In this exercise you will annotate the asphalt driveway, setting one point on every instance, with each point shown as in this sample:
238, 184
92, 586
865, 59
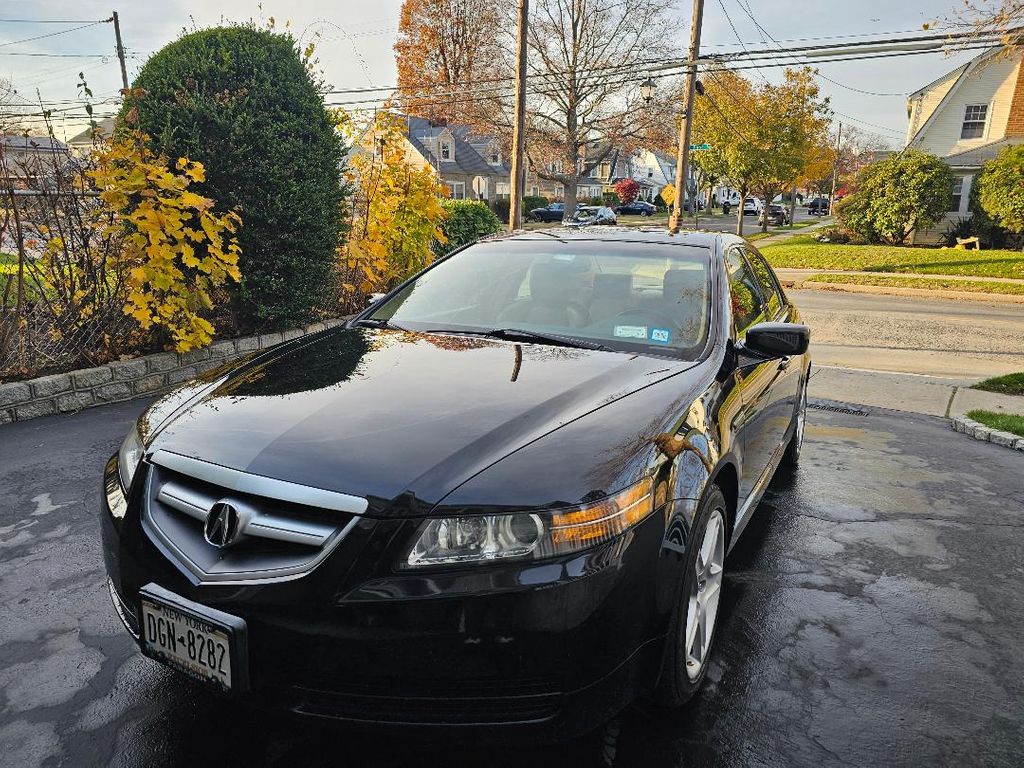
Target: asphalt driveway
874, 615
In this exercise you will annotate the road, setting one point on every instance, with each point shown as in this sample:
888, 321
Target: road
967, 340
873, 615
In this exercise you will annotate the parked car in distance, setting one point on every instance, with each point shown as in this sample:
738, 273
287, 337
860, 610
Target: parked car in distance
777, 215
502, 495
818, 206
552, 212
686, 205
752, 206
636, 208
589, 215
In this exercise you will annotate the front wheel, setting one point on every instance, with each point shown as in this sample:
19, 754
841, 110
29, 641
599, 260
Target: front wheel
696, 613
796, 443
645, 213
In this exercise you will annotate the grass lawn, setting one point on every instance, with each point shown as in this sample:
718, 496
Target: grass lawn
804, 252
923, 283
1004, 422
1010, 384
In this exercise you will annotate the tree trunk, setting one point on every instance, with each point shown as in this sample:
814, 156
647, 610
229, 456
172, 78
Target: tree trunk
739, 215
792, 204
570, 199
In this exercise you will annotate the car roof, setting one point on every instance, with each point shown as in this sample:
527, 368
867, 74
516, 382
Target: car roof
656, 235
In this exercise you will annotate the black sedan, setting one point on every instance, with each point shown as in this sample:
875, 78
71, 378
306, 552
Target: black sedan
777, 215
636, 208
552, 212
501, 495
818, 206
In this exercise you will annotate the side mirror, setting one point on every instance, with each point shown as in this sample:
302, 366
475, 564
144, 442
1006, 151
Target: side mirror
373, 298
770, 340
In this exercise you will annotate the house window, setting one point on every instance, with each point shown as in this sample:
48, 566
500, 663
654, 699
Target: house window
974, 121
458, 190
535, 191
958, 193
495, 158
606, 170
446, 150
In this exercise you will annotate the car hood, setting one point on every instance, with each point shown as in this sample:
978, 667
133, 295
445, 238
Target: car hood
400, 418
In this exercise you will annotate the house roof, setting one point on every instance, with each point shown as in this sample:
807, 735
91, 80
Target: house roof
104, 127
467, 160
975, 157
22, 143
961, 74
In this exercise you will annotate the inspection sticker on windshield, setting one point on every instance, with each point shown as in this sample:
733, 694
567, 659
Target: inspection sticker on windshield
661, 335
631, 331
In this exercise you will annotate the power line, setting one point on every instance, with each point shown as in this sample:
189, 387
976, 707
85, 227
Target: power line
46, 21
53, 34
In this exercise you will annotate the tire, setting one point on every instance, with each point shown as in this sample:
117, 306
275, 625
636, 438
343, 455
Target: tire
682, 671
791, 457
645, 212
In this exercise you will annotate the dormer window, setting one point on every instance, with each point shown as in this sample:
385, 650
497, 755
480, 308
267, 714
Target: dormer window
975, 116
495, 158
447, 153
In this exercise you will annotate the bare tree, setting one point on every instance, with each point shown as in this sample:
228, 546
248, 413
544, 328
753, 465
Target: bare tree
586, 60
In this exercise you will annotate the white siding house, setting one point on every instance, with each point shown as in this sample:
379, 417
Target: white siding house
967, 117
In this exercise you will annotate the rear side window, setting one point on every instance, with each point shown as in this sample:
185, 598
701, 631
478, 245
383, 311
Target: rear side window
769, 285
744, 293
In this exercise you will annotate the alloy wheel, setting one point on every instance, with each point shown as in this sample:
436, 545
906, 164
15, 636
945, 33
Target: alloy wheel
705, 592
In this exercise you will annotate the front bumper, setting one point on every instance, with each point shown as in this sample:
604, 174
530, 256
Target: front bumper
560, 646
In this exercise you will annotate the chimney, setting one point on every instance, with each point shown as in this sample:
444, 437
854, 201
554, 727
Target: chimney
1015, 122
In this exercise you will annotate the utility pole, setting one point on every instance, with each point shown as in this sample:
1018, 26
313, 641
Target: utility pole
682, 159
835, 170
515, 209
120, 50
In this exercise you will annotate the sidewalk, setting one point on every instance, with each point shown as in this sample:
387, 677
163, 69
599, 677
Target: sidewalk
780, 237
910, 392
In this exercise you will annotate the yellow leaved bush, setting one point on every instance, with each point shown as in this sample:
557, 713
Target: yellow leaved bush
174, 247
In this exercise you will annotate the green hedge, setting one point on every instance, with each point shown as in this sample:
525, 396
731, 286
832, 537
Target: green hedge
241, 101
467, 222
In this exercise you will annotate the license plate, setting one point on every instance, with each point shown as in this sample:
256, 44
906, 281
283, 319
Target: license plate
183, 636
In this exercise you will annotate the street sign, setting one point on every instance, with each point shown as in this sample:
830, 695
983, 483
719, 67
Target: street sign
700, 147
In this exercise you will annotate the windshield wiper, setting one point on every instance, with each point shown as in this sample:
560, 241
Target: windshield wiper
374, 322
520, 334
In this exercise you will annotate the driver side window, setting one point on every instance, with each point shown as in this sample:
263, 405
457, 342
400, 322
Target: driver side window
744, 295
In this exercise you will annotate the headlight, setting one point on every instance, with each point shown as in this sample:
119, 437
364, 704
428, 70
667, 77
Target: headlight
129, 456
533, 535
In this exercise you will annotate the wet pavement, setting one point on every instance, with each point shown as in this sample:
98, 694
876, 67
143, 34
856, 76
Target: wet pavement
873, 615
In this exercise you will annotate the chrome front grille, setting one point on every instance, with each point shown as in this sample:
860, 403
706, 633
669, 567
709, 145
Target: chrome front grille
283, 531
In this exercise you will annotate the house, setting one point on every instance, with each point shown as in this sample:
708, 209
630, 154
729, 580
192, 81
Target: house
82, 143
967, 117
27, 161
471, 166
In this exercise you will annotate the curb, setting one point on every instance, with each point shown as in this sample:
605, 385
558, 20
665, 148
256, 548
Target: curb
987, 434
891, 290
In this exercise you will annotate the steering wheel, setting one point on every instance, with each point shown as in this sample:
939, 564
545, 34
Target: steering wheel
651, 313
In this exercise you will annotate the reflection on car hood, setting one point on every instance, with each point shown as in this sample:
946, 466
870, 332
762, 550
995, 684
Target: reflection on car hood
399, 417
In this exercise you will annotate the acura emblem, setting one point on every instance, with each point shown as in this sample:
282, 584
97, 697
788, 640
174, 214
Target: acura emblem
221, 527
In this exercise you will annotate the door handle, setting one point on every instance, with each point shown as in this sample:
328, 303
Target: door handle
784, 363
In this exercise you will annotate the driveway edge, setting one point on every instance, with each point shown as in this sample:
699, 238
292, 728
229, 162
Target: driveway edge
126, 379
987, 434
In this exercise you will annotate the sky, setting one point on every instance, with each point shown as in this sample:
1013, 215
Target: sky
356, 39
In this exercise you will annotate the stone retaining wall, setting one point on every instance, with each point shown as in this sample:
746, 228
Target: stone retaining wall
125, 379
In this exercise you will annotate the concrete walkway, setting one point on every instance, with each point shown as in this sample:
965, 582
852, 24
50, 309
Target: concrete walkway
914, 393
782, 236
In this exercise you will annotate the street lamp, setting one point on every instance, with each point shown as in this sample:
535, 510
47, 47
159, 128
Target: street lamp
647, 90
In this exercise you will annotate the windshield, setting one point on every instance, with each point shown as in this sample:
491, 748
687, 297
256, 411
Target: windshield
637, 297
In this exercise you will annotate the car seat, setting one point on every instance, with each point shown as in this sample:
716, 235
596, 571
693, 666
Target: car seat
549, 302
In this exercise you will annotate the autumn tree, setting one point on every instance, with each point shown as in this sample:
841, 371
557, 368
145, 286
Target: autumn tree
762, 136
444, 47
627, 190
396, 214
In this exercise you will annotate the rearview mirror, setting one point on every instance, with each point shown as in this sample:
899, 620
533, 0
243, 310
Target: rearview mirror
771, 340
